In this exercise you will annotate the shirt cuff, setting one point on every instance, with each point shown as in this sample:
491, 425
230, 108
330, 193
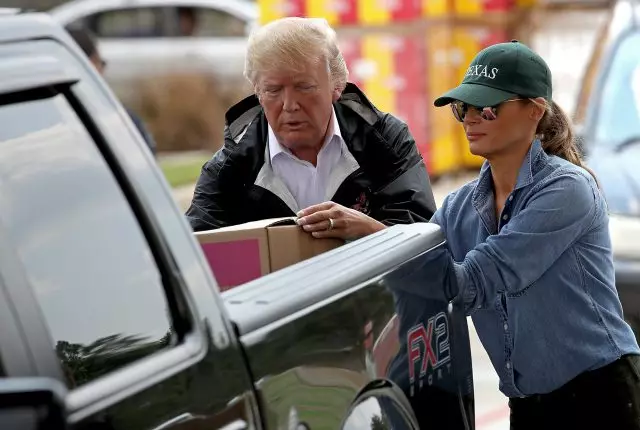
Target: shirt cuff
466, 287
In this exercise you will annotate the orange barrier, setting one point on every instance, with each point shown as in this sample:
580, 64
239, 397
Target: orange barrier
443, 129
468, 41
401, 74
402, 70
381, 12
353, 12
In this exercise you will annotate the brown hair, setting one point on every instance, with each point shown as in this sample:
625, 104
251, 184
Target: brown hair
556, 134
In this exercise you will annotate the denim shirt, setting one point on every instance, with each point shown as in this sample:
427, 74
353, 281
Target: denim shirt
539, 281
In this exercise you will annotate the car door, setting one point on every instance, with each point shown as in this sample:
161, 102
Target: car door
100, 301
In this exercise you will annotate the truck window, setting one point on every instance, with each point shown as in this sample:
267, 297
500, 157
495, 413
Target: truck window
129, 23
208, 22
78, 241
618, 116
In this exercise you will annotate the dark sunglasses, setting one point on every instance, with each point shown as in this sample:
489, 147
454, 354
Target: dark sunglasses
488, 113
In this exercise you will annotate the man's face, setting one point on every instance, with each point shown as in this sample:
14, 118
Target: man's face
298, 105
187, 23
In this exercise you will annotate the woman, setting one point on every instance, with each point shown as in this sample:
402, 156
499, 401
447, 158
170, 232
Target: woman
533, 254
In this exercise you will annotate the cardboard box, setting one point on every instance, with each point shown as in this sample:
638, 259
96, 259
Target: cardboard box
244, 252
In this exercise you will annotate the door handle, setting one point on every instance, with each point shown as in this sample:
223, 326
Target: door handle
180, 419
235, 425
186, 417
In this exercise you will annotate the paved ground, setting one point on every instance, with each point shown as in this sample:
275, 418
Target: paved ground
492, 411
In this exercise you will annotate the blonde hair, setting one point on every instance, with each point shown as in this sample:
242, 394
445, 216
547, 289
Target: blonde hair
291, 42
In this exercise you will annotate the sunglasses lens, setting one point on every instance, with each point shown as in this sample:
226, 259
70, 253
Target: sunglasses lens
458, 110
489, 113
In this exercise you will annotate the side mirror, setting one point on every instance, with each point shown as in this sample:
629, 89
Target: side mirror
32, 404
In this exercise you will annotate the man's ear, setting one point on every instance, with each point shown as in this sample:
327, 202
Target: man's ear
256, 91
337, 92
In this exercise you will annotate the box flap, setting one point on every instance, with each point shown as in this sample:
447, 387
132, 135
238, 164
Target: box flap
283, 221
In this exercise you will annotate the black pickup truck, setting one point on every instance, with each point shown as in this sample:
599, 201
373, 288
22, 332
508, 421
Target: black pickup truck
111, 318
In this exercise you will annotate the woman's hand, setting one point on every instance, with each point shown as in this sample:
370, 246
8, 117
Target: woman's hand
330, 219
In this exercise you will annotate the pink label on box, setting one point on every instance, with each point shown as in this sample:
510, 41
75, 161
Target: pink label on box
234, 263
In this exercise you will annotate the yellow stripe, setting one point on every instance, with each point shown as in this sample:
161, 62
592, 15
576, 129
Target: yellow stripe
323, 9
466, 41
444, 130
270, 10
435, 7
378, 67
372, 12
526, 3
468, 7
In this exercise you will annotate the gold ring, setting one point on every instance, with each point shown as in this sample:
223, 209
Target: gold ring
330, 224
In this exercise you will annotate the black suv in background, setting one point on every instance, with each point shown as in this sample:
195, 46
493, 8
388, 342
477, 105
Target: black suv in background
112, 319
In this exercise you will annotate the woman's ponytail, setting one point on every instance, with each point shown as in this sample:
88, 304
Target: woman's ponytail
556, 134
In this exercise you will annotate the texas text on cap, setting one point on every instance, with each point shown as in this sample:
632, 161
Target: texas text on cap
501, 72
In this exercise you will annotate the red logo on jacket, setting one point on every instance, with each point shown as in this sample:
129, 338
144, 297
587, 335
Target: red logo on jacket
362, 203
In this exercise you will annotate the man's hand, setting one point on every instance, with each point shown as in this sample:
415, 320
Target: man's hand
330, 219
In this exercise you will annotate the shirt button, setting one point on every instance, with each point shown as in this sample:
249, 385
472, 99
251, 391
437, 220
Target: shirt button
510, 198
506, 326
508, 365
505, 217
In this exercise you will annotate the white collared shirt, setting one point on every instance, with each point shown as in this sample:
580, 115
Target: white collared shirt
308, 184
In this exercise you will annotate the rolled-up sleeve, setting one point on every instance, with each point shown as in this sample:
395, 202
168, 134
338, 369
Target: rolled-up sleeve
560, 211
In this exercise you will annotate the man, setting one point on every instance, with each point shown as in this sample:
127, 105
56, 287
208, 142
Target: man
187, 21
310, 144
87, 43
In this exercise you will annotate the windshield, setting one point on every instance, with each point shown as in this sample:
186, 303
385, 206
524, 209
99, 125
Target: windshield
618, 116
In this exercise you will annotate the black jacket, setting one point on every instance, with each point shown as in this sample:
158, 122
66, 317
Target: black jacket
143, 131
391, 183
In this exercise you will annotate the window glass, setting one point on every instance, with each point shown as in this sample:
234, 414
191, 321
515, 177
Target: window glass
129, 23
619, 110
207, 22
78, 241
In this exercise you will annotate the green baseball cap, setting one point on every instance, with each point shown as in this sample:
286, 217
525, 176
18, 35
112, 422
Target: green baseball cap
501, 72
